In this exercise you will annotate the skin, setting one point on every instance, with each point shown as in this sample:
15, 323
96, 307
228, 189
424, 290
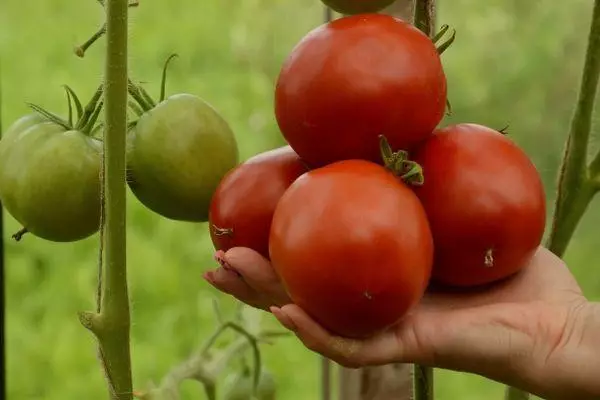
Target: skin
242, 207
61, 203
330, 259
349, 81
357, 6
535, 330
177, 154
477, 179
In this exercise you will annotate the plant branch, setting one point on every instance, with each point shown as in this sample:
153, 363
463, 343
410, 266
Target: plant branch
577, 183
424, 19
203, 367
111, 325
576, 186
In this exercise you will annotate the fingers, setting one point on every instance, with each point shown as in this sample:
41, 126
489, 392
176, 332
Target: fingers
249, 277
229, 282
350, 353
258, 273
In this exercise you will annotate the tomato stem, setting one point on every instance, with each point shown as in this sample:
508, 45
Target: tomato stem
19, 235
578, 183
424, 19
111, 325
204, 367
134, 91
163, 81
81, 49
90, 108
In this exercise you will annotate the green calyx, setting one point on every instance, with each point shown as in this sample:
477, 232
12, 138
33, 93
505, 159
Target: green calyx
143, 101
399, 164
86, 117
444, 45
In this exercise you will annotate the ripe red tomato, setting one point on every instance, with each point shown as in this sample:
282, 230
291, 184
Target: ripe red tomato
242, 206
357, 6
485, 203
352, 246
355, 78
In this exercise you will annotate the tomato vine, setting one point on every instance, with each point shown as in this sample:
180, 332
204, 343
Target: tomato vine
578, 181
111, 324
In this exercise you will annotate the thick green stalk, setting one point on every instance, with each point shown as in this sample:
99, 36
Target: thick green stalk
574, 183
112, 325
577, 183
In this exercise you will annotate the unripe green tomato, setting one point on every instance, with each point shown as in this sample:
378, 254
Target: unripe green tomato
22, 124
239, 386
177, 154
349, 7
50, 182
15, 129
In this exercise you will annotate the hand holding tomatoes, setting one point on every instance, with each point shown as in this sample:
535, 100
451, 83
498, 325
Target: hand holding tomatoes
458, 331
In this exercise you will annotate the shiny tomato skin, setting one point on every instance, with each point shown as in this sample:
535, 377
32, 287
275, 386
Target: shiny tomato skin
242, 206
483, 196
357, 6
352, 246
348, 81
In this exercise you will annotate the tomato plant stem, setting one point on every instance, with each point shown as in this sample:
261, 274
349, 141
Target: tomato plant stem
111, 325
577, 183
424, 19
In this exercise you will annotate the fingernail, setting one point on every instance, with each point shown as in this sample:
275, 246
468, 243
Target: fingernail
283, 318
220, 258
209, 277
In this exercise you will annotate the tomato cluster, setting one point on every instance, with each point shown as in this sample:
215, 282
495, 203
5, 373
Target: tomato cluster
372, 200
178, 150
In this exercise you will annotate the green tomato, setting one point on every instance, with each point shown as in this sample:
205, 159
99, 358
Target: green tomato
177, 154
50, 182
239, 386
18, 127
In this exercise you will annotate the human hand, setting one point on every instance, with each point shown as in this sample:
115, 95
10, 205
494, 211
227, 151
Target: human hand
523, 331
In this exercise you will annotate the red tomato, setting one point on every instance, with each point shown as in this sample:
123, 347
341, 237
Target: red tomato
355, 78
485, 203
357, 6
352, 246
242, 206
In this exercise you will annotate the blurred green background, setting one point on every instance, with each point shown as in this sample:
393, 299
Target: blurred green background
514, 62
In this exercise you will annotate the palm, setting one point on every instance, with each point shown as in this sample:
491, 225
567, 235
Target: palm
449, 330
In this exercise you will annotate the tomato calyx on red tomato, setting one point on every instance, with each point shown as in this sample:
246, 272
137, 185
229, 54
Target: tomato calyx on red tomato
400, 165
